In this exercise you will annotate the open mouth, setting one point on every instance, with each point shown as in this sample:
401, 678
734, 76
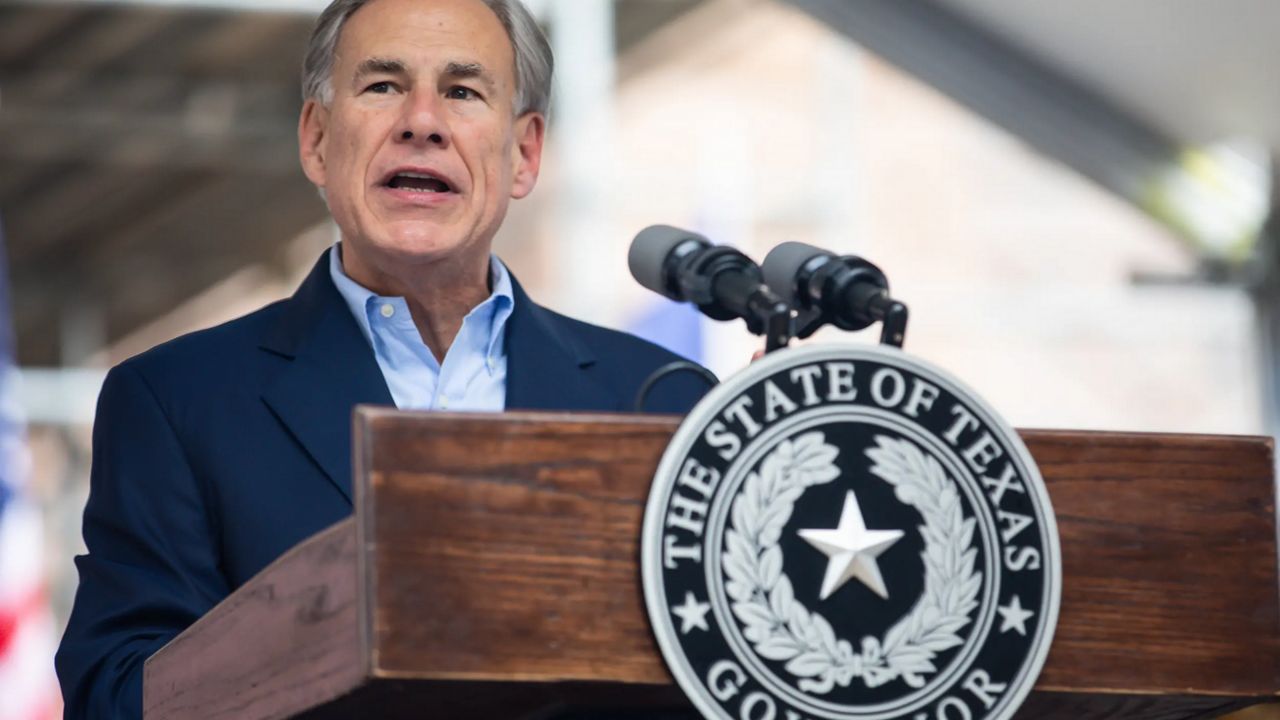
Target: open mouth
419, 182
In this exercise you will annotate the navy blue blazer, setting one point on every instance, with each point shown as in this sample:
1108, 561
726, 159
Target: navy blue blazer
215, 453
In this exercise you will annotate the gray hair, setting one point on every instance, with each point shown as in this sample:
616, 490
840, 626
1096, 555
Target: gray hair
534, 62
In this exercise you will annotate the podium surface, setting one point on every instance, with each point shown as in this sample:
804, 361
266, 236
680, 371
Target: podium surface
491, 571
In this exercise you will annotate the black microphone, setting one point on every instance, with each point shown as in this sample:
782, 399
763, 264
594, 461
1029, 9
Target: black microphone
843, 290
723, 283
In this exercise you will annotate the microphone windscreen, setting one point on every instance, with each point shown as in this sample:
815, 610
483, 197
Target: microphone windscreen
648, 254
783, 263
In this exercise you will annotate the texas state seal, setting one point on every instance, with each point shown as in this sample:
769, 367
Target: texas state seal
848, 532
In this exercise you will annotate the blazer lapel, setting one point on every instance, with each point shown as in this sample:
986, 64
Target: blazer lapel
331, 370
547, 367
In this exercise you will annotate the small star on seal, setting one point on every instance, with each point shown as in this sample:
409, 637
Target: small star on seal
692, 614
852, 550
1013, 617
830, 534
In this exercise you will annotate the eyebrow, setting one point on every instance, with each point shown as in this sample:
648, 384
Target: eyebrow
466, 70
455, 69
380, 66
470, 71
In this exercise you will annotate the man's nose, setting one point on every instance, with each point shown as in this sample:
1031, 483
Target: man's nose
422, 123
434, 138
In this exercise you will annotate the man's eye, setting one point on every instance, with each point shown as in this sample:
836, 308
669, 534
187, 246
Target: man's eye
380, 88
458, 92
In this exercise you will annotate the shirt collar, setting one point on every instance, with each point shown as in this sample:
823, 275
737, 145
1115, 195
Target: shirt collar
495, 310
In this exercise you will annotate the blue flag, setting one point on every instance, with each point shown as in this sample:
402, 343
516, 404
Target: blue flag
12, 434
675, 326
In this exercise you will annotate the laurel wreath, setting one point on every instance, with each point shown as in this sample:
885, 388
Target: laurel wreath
781, 628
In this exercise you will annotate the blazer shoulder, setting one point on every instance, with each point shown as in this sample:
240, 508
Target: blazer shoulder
627, 361
203, 355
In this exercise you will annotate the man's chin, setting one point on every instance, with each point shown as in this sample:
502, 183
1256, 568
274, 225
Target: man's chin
418, 248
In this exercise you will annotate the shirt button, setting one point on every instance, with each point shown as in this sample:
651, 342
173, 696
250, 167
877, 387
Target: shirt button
387, 310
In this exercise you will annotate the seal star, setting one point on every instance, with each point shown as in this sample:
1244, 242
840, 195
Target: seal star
692, 614
852, 550
1013, 617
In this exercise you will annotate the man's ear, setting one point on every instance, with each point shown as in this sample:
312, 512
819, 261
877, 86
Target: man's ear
313, 126
526, 155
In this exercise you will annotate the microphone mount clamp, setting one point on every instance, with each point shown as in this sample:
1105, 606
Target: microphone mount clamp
763, 311
860, 287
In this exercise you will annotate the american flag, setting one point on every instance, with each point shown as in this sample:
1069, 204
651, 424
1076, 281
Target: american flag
27, 687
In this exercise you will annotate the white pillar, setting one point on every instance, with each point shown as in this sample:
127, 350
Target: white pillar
839, 196
582, 136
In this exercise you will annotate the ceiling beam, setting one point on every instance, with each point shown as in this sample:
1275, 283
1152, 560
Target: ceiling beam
1004, 84
151, 122
1208, 196
300, 7
305, 7
539, 8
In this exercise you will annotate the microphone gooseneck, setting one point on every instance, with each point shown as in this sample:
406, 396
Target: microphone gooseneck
722, 282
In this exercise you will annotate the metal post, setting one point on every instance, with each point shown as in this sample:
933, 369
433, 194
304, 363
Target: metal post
1265, 292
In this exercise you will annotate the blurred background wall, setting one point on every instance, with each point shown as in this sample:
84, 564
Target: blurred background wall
1075, 199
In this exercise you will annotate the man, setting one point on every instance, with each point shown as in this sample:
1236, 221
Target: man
216, 452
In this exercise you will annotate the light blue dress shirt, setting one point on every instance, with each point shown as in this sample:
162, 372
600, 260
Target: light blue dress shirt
473, 375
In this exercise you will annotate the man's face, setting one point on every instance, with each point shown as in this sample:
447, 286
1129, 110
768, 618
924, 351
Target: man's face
420, 150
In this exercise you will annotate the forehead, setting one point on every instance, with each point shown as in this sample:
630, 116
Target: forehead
427, 32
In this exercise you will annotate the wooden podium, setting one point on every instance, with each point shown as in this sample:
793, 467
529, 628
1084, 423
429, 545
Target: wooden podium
490, 571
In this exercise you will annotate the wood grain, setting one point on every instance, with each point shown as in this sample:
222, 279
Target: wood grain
284, 642
524, 536
406, 699
1169, 563
492, 571
1044, 705
509, 550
